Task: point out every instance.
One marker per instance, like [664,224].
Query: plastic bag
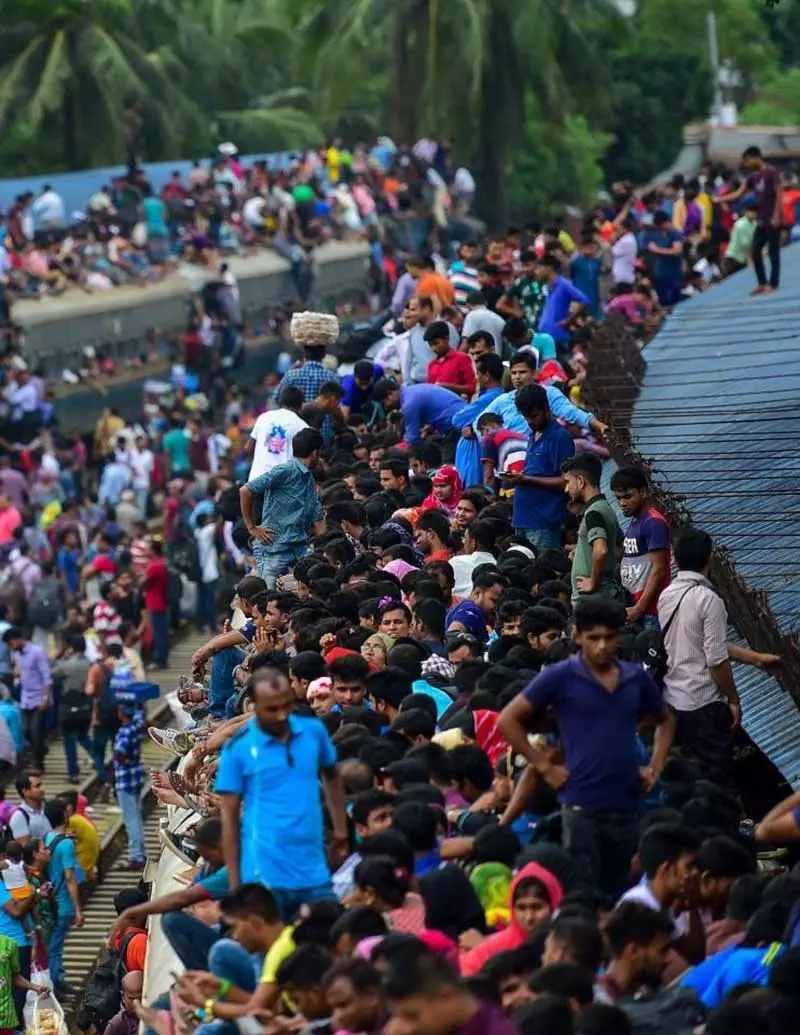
[48,1017]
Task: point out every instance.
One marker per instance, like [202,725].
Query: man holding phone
[539,500]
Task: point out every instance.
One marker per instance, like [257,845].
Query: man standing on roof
[765,182]
[699,684]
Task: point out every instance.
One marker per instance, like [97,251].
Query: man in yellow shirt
[84,833]
[254,926]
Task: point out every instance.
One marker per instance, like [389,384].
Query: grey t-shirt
[28,822]
[483,319]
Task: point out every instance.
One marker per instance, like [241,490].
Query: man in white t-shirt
[142,463]
[272,434]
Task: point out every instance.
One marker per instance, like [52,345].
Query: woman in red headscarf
[447,491]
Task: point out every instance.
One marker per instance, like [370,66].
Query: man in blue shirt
[539,502]
[665,245]
[291,509]
[269,779]
[523,372]
[358,385]
[598,703]
[563,300]
[422,405]
[585,269]
[63,871]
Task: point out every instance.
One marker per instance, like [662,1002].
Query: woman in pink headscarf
[535,894]
[447,491]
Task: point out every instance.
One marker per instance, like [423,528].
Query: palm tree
[75,66]
[236,58]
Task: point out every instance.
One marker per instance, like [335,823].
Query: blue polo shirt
[561,294]
[63,858]
[281,820]
[597,730]
[9,925]
[355,397]
[543,508]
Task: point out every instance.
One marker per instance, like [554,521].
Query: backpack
[9,809]
[44,605]
[673,1011]
[104,987]
[650,647]
[184,555]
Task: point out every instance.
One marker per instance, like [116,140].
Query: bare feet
[759,289]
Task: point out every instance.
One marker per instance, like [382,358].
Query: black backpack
[44,605]
[673,1011]
[104,987]
[650,647]
[184,555]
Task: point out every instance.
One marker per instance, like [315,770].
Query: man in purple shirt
[426,997]
[35,683]
[406,286]
[765,182]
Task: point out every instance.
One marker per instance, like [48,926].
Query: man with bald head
[126,1022]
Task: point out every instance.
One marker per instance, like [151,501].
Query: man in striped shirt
[463,274]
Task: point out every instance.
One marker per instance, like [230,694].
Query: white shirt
[464,180]
[483,319]
[48,208]
[253,210]
[273,433]
[464,565]
[24,399]
[207,552]
[624,252]
[695,641]
[643,894]
[142,465]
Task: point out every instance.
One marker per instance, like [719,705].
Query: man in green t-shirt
[740,246]
[595,563]
[526,296]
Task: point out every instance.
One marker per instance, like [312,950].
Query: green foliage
[543,99]
[778,102]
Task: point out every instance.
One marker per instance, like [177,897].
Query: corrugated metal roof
[719,414]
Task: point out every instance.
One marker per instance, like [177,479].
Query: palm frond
[14,73]
[56,72]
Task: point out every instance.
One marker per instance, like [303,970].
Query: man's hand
[584,585]
[467,432]
[554,776]
[512,477]
[206,984]
[340,847]
[736,714]
[44,704]
[770,663]
[79,918]
[632,614]
[263,535]
[649,778]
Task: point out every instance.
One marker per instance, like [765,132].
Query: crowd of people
[457,751]
[130,232]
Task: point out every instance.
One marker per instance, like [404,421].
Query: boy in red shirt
[449,369]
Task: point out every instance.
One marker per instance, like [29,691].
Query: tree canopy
[544,99]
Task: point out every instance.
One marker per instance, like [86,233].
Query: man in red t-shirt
[155,591]
[449,369]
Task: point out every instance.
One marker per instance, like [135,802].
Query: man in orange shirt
[436,286]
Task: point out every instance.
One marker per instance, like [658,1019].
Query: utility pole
[713,54]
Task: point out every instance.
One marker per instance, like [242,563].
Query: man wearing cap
[422,406]
[448,369]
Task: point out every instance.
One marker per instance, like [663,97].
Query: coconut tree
[74,67]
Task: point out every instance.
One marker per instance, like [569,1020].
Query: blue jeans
[101,738]
[221,686]
[159,623]
[229,961]
[190,938]
[271,566]
[131,804]
[73,737]
[56,949]
[291,899]
[206,612]
[141,501]
[542,538]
